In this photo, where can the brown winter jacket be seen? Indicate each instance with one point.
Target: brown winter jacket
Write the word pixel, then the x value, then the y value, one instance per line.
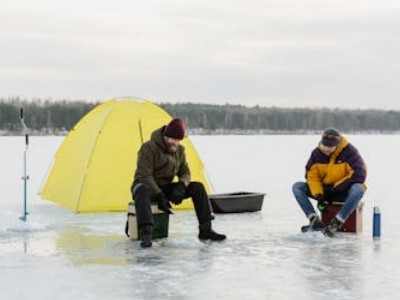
pixel 157 167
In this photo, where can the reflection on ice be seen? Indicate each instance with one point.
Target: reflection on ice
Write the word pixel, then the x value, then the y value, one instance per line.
pixel 331 265
pixel 255 262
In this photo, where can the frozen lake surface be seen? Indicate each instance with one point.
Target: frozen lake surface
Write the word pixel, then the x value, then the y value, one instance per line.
pixel 61 255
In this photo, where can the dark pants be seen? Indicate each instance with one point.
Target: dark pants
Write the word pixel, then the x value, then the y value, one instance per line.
pixel 144 196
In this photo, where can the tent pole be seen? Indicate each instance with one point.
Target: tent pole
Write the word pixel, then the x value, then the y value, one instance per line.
pixel 140 130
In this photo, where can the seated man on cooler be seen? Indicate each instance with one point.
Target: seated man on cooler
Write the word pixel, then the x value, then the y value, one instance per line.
pixel 335 170
pixel 159 161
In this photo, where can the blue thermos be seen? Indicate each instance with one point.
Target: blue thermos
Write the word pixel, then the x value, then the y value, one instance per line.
pixel 376 231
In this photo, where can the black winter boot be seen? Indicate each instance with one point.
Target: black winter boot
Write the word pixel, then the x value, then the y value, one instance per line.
pixel 145 234
pixel 315 225
pixel 207 233
pixel 334 226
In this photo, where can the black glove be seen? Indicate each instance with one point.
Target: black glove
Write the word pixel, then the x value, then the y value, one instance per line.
pixel 179 193
pixel 163 203
pixel 333 194
pixel 322 203
pixel 328 190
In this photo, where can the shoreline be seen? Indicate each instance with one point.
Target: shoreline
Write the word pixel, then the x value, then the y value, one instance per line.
pixel 216 132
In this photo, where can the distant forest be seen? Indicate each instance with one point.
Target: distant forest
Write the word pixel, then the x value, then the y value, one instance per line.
pixel 57 117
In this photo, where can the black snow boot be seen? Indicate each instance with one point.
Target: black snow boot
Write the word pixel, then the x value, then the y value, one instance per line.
pixel 207 233
pixel 334 226
pixel 145 233
pixel 315 225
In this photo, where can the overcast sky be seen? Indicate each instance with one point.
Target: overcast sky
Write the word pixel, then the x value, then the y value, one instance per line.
pixel 302 53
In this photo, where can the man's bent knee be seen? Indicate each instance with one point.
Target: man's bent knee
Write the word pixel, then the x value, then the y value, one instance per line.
pixel 141 192
pixel 196 186
pixel 357 188
pixel 298 186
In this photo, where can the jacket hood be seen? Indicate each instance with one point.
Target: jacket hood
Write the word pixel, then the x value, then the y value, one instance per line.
pixel 158 137
pixel 342 144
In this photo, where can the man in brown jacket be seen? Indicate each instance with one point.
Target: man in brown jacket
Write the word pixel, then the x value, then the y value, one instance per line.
pixel 159 161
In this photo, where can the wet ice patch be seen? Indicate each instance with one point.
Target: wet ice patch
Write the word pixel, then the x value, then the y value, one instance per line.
pixel 28 226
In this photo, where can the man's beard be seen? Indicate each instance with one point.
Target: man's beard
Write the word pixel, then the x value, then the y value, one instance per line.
pixel 172 148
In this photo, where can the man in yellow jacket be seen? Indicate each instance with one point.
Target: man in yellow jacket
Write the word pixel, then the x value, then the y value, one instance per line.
pixel 335 170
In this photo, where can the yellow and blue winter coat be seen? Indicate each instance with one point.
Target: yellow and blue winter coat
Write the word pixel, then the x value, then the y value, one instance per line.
pixel 340 170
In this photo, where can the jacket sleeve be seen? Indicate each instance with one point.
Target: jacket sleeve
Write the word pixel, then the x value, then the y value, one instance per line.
pixel 313 177
pixel 184 171
pixel 357 170
pixel 145 167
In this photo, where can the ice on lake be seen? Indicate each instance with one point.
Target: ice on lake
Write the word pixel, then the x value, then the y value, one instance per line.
pixel 61 255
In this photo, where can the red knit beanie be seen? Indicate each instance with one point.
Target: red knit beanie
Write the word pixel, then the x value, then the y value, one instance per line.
pixel 175 129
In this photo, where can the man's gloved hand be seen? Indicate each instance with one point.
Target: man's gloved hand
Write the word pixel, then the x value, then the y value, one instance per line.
pixel 179 193
pixel 163 203
pixel 333 194
pixel 322 203
pixel 328 190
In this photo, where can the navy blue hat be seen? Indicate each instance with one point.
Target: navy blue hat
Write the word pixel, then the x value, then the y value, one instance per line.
pixel 330 138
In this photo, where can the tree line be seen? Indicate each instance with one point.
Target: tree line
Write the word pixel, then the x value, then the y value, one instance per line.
pixel 48 116
pixel 42 115
pixel 237 117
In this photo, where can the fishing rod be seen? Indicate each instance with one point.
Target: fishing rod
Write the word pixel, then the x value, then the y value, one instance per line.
pixel 25 178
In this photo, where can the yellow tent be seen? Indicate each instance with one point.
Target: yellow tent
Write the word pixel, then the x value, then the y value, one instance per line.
pixel 93 168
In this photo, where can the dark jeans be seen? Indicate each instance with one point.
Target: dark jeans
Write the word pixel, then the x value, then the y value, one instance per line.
pixel 144 196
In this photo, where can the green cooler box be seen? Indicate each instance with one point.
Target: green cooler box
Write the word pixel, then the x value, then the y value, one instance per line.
pixel 160 220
